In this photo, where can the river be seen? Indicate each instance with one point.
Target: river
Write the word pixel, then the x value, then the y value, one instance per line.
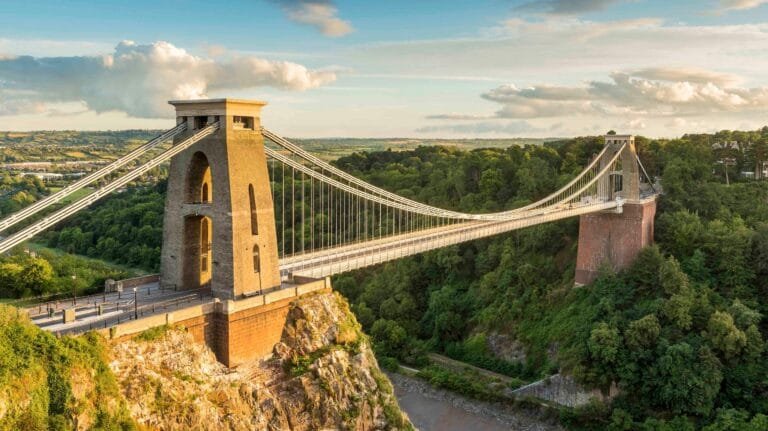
pixel 432 409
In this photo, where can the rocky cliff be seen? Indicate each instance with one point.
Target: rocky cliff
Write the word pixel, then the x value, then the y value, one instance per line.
pixel 323 375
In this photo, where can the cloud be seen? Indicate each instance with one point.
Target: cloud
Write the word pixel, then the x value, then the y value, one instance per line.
pixel 634 124
pixel 664 92
pixel 140 79
pixel 566 7
pixel 689 74
pixel 488 127
pixel 14 107
pixel 680 123
pixel 458 117
pixel 553 61
pixel 47 47
pixel 320 14
pixel 563 48
pixel 729 5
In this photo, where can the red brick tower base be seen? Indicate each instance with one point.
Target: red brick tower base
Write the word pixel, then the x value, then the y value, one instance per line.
pixel 613 240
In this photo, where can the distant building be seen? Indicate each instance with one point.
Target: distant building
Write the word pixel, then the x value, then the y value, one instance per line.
pixel 45 176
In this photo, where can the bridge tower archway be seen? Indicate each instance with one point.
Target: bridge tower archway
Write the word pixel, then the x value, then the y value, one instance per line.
pixel 199 182
pixel 197 258
pixel 219 208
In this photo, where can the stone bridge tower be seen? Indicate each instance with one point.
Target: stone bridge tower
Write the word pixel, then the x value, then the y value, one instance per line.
pixel 219 227
pixel 612 239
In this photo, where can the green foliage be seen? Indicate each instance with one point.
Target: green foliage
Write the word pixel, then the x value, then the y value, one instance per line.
pixel 153 333
pixel 391 339
pixel 687 381
pixel 680 332
pixel 18 191
pixel 643 333
pixel 38 371
pixel 389 363
pixel 126 228
pixel 22 275
pixel 299 365
pixel 725 336
pixel 474 350
pixel 737 420
pixel 462 383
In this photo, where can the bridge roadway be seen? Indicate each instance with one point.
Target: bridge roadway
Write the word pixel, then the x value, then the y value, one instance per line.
pixel 349 257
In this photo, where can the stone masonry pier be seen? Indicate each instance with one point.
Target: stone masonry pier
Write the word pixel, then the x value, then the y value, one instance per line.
pixel 237 331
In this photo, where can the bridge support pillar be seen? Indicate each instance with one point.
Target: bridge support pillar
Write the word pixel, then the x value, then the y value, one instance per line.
pixel 613 240
pixel 219 225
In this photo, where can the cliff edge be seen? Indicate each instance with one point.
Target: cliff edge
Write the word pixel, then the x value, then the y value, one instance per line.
pixel 323 375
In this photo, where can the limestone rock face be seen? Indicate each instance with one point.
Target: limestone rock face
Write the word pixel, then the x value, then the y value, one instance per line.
pixel 323 375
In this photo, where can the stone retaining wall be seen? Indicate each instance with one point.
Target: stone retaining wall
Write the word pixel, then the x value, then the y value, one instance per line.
pixel 561 390
pixel 237 331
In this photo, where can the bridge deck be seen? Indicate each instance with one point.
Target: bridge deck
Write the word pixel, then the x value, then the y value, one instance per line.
pixel 358 255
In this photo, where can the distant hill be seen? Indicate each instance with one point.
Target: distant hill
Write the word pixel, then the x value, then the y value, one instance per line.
pixel 333 148
pixel 71 145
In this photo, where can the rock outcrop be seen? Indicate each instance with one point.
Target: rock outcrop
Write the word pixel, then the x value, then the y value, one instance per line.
pixel 323 375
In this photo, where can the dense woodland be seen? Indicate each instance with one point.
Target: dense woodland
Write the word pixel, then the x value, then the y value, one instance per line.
pixel 681 333
pixel 125 229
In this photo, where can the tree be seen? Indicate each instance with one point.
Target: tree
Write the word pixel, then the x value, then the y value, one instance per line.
pixel 390 339
pixel 728 246
pixel 687 381
pixel 743 315
pixel 604 345
pixel 37 275
pixel 681 232
pixel 642 333
pixel 673 280
pixel 737 420
pixel 724 335
pixel 9 274
pixel 25 276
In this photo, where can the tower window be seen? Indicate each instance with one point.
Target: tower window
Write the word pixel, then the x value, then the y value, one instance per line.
pixel 254 217
pixel 256 260
pixel 201 122
pixel 239 122
pixel 205 197
pixel 204 245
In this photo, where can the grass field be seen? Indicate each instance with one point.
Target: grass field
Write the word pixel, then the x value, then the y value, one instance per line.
pixel 74 196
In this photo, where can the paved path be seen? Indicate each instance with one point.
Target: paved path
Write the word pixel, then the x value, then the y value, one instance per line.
pixel 117 307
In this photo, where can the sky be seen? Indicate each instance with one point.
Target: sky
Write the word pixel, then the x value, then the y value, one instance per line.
pixel 421 69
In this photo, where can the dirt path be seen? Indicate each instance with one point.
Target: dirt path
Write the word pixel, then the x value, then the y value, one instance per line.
pixel 459 366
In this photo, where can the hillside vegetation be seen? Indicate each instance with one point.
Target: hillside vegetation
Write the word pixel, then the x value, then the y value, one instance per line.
pixel 323 376
pixel 55 384
pixel 681 333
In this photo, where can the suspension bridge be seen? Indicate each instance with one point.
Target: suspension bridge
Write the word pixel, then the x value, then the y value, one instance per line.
pixel 249 213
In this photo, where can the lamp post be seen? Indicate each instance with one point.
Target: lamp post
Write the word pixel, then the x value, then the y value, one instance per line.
pixel 74 290
pixel 135 304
